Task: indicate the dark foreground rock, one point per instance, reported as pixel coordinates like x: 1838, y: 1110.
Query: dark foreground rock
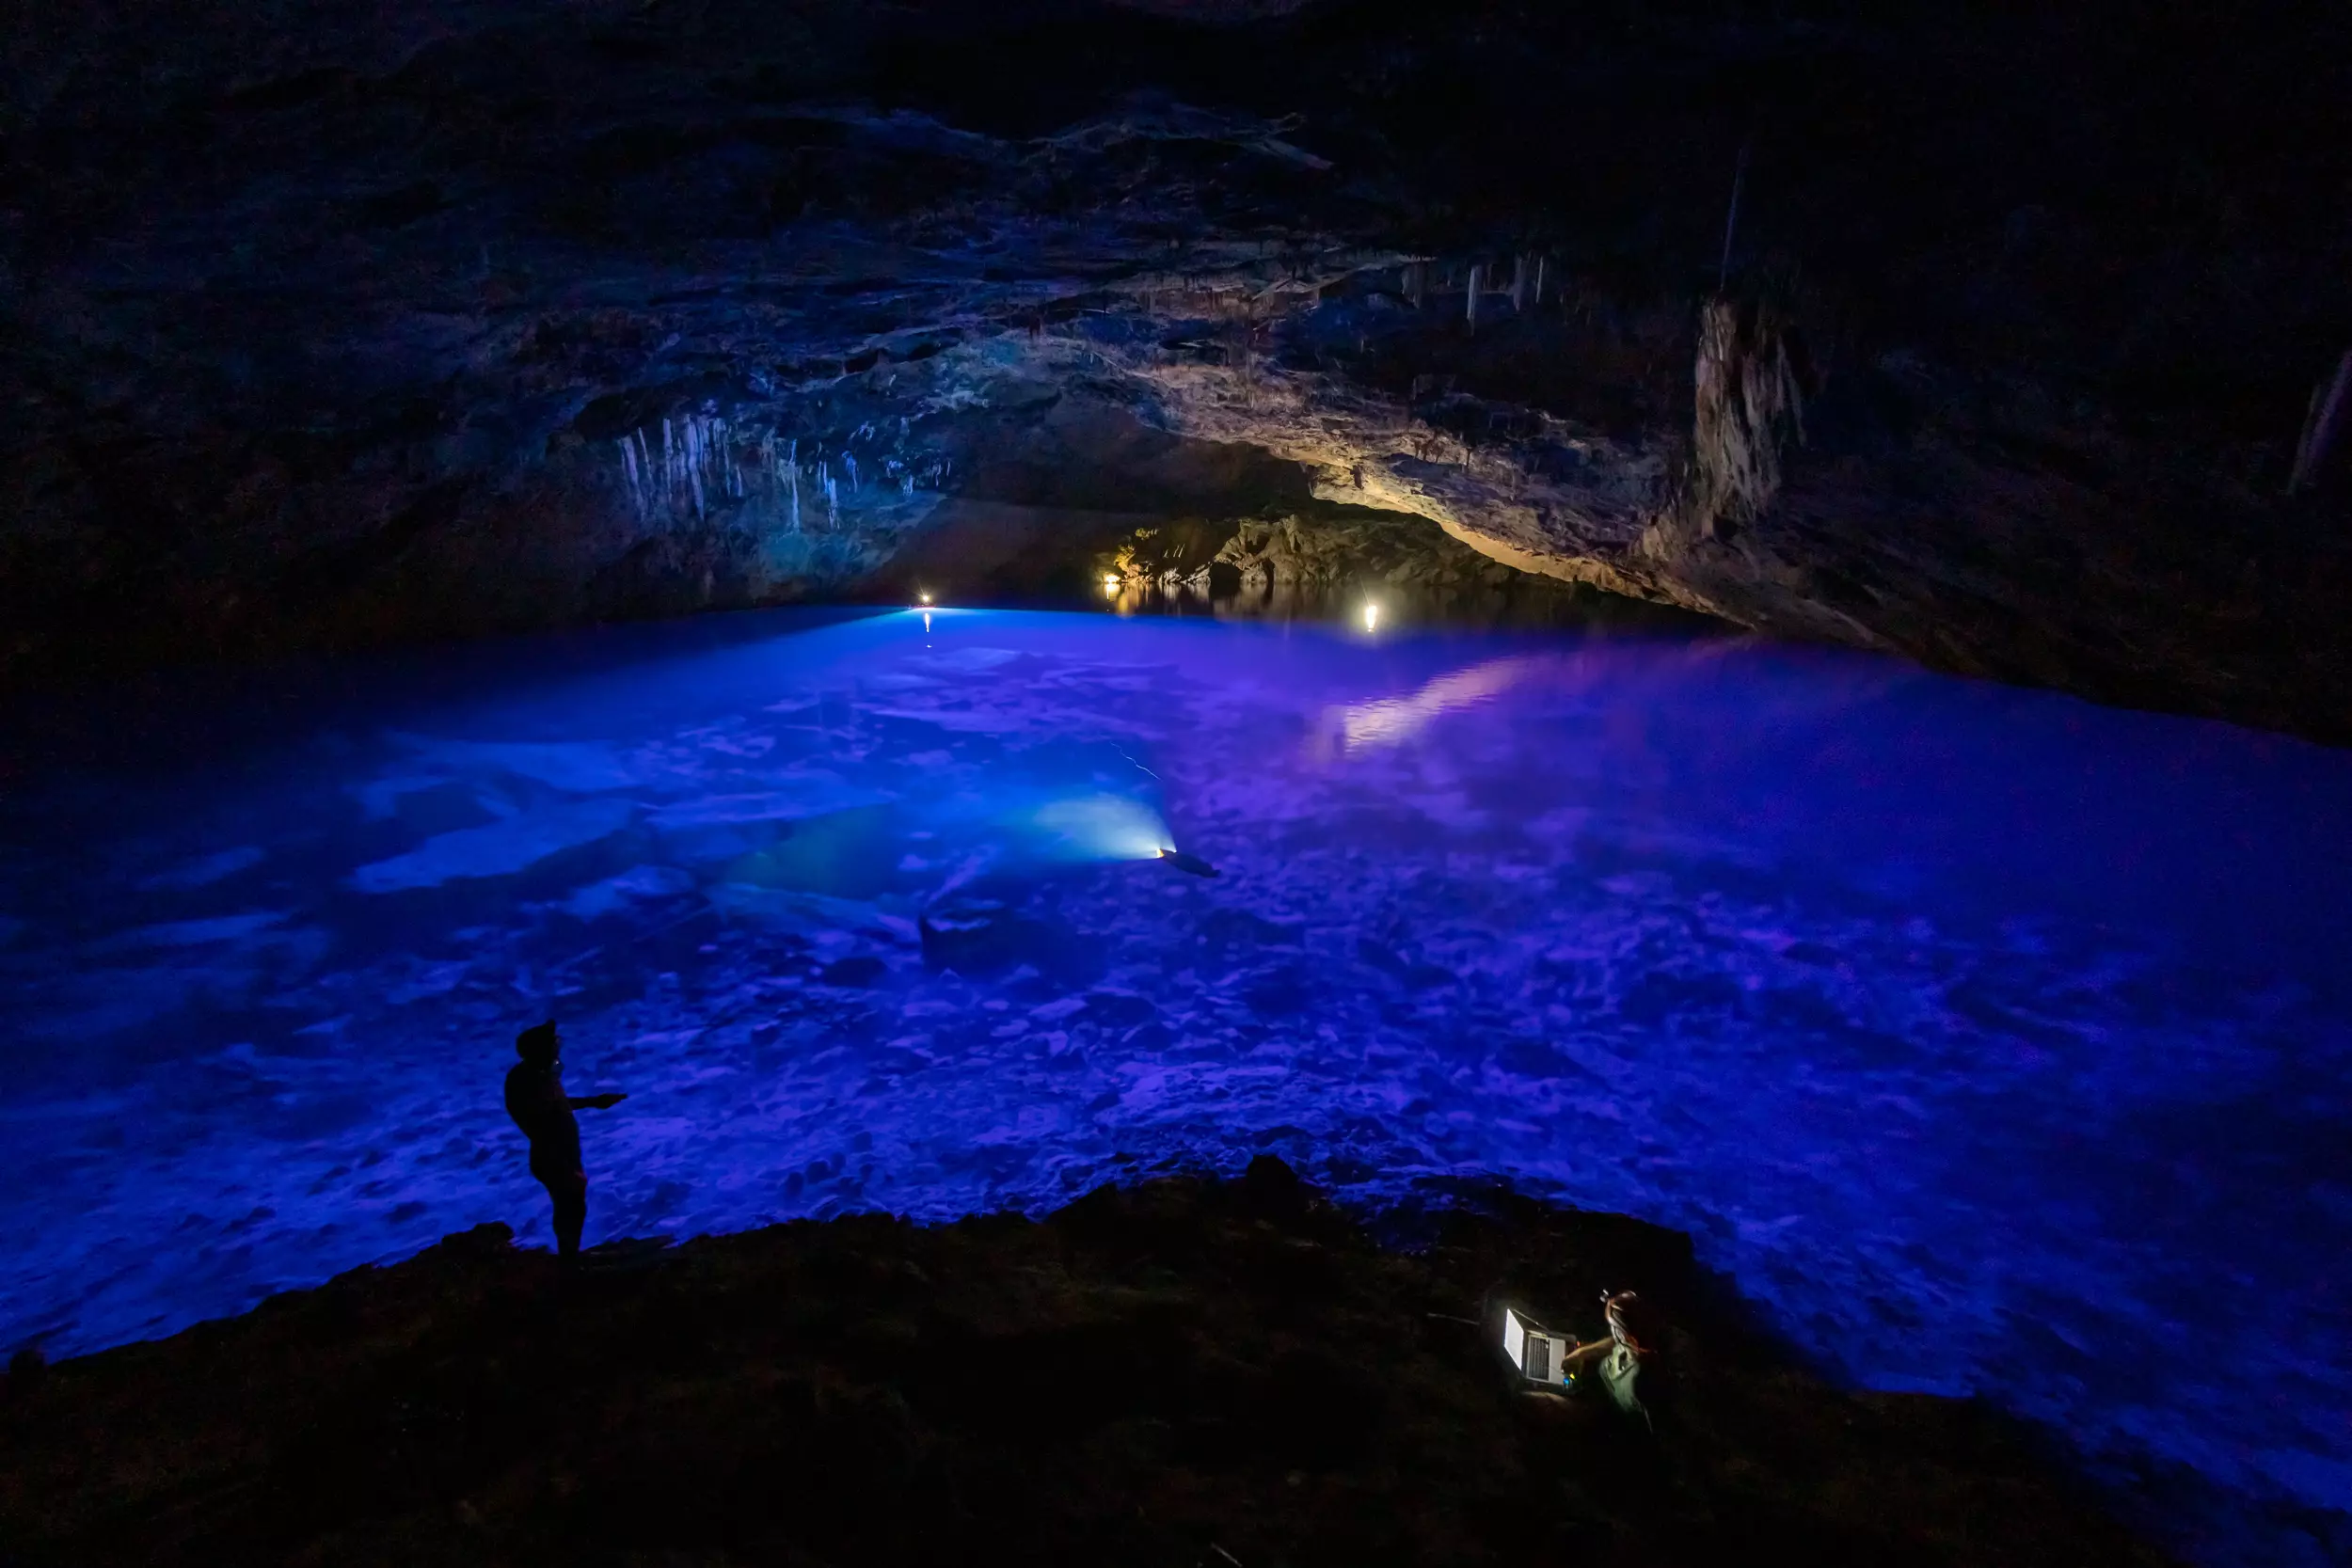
x: 1182, y: 1373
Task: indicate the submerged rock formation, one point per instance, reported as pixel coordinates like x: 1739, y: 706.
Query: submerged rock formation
x: 326, y: 329
x: 1179, y: 1374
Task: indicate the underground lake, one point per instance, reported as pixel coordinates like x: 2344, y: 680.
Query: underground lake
x: 1990, y: 1041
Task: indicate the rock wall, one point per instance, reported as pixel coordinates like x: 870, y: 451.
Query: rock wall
x: 324, y: 329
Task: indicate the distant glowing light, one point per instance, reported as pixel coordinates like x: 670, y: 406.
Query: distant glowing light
x: 1371, y: 617
x: 1110, y: 587
x: 924, y: 598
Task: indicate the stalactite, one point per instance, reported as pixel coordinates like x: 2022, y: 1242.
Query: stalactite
x: 628, y: 467
x: 2319, y: 428
x: 1469, y: 298
x: 1518, y: 282
x: 1543, y: 264
x: 851, y: 462
x: 1731, y: 218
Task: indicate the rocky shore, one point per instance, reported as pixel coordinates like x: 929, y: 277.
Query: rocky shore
x: 1183, y: 1373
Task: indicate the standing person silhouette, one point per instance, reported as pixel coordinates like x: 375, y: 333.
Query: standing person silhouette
x: 536, y: 1100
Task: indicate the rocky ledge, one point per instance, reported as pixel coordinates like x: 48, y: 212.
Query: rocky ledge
x: 1184, y: 1372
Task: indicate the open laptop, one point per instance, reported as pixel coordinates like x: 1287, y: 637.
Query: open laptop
x: 1540, y: 1357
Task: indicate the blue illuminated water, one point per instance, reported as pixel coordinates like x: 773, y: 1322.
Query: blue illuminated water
x: 1992, y: 1042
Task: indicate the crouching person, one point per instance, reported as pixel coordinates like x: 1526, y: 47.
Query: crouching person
x: 1634, y: 1339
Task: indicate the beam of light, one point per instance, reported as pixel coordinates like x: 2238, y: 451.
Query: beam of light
x: 1361, y: 725
x: 1371, y: 617
x: 1100, y: 827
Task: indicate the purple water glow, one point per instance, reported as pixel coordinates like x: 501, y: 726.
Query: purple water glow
x: 1992, y: 1042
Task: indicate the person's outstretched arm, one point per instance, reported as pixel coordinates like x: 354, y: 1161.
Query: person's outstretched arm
x: 593, y: 1101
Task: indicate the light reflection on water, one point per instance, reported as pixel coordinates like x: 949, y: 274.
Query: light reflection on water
x: 1390, y: 720
x: 1989, y: 1038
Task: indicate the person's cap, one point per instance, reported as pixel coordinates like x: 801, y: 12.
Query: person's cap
x: 537, y: 1040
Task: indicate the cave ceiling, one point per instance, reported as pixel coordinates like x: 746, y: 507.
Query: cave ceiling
x: 336, y: 327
